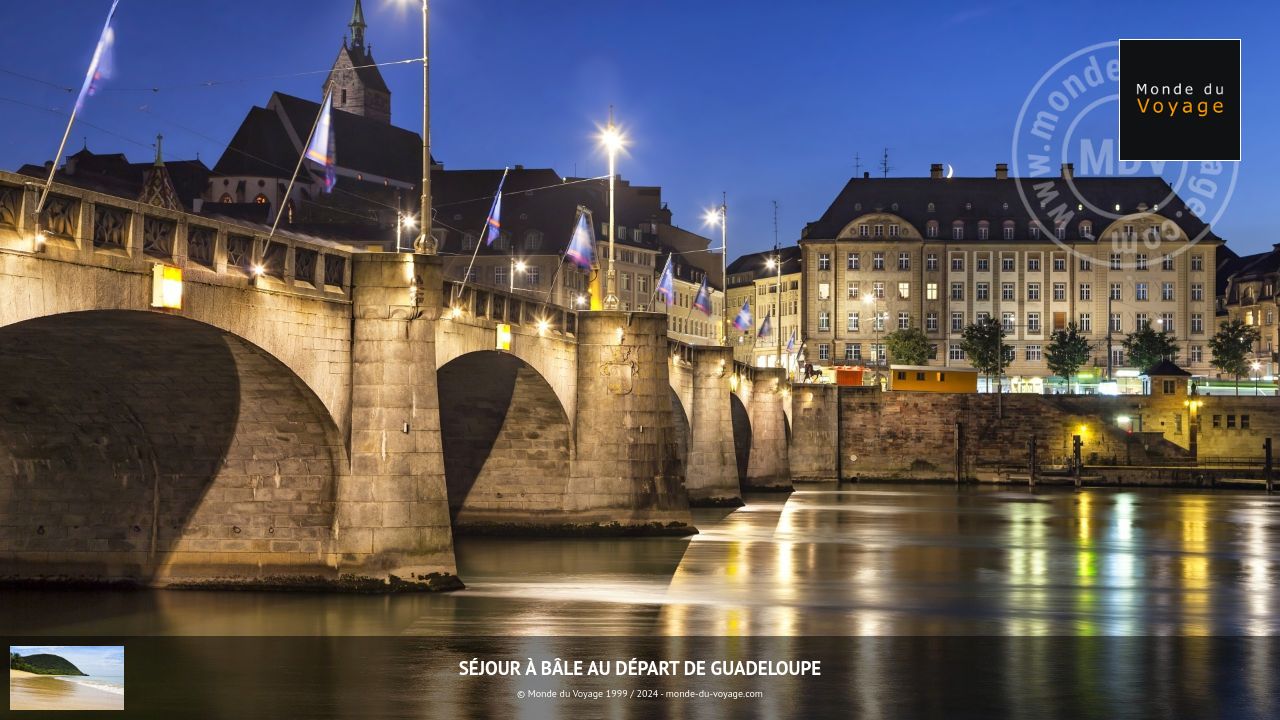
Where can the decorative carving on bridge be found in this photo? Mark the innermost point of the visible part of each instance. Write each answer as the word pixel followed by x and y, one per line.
pixel 620 370
pixel 335 267
pixel 157 237
pixel 200 243
pixel 10 206
pixel 59 216
pixel 240 252
pixel 304 264
pixel 110 227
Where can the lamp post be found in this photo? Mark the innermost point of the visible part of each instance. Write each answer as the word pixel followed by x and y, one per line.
pixel 611 138
pixel 720 216
pixel 517 266
pixel 775 263
pixel 406 222
pixel 870 299
pixel 426 137
pixel 1257 368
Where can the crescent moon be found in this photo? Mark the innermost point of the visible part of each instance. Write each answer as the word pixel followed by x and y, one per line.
pixel 950 171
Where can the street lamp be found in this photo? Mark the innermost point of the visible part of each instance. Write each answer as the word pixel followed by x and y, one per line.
pixel 870 299
pixel 407 222
pixel 775 263
pixel 422 244
pixel 613 140
pixel 517 266
pixel 1257 367
pixel 720 216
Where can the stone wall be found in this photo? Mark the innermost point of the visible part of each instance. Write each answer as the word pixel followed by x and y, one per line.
pixel 711 472
pixel 814 412
pixel 767 468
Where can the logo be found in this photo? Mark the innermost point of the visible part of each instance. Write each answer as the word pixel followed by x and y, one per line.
pixel 1065 149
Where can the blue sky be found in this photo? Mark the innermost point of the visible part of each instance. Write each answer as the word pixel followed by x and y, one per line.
pixel 91 659
pixel 763 100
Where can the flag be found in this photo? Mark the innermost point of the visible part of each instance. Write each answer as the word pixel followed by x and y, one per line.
pixel 100 65
pixel 320 149
pixel 766 327
pixel 493 225
pixel 702 300
pixel 743 320
pixel 582 247
pixel 791 341
pixel 666 284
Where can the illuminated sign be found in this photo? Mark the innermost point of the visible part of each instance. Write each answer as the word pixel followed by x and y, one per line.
pixel 166 287
pixel 504 336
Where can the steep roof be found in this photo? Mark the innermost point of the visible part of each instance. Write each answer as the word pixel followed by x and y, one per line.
pixel 972 199
pixel 113 174
pixel 754 266
pixel 366 68
pixel 1165 368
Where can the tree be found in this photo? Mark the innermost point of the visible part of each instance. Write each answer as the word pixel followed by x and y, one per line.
pixel 1147 347
pixel 1066 352
pixel 907 347
pixel 1231 346
pixel 983 344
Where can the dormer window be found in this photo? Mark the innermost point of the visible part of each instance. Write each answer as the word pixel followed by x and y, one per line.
pixel 931 227
pixel 957 230
pixel 931 207
pixel 1007 230
pixel 984 230
pixel 1086 229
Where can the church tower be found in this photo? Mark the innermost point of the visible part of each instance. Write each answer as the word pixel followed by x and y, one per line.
pixel 357 84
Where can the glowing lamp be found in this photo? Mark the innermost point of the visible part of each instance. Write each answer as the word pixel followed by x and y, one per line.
pixel 504 337
pixel 166 287
pixel 543 326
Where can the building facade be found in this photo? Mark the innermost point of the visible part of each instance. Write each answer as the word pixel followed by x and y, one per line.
pixel 754 280
pixel 1249 295
pixel 941 253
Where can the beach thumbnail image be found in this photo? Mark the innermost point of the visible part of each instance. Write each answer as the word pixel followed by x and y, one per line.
pixel 66 677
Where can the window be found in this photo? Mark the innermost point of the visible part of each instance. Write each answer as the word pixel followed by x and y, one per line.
pixel 957 291
pixel 1033 353
pixel 824 261
pixel 904 320
pixel 1033 231
pixel 957 263
pixel 1006 264
pixel 984 291
pixel 957 322
pixel 853 261
pixel 957 230
pixel 1033 291
pixel 1197 292
pixel 1086 322
pixel 1117 357
pixel 1217 421
pixel 1007 231
pixel 1007 320
pixel 1116 290
pixel 983 318
pixel 1231 421
pixel 261 199
pixel 1033 264
pixel 879 231
pixel 1141 320
pixel 1006 291
pixel 1061 230
pixel 931 291
pixel 1166 322
pixel 1115 261
pixel 864 231
pixel 877 288
pixel 853 351
pixel 931 262
pixel 984 264
pixel 1140 291
pixel 1059 264
pixel 1059 291
pixel 931 321
pixel 1244 422
pixel 955 352
pixel 1086 291
pixel 877 261
pixel 1197 323
pixel 500 275
pixel 642 284
pixel 931 229
pixel 824 351
pixel 877 352
pixel 893 230
pixel 1086 229
pixel 878 321
pixel 852 322
pixel 1142 261
pixel 984 230
pixel 1197 354
pixel 1197 263
pixel 824 320
pixel 1169 386
pixel 853 288
pixel 1166 262
pixel 1166 291
pixel 1086 264
pixel 904 260
pixel 1033 322
pixel 904 291
pixel 1115 323
pixel 824 291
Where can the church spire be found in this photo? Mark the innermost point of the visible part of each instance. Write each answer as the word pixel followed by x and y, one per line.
pixel 357 26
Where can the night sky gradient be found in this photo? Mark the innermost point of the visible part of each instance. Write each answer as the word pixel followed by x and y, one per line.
pixel 763 100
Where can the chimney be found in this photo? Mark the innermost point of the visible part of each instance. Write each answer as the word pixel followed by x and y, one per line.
pixel 1068 170
pixel 866 174
pixel 1002 171
pixel 935 171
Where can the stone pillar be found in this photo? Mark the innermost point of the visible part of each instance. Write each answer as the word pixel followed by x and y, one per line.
pixel 711 475
pixel 768 468
pixel 625 472
pixel 392 521
pixel 814 453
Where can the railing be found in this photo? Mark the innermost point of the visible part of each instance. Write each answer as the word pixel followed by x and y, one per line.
pixel 89 227
pixel 486 303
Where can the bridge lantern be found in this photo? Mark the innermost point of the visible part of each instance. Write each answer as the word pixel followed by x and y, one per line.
pixel 504 337
pixel 166 287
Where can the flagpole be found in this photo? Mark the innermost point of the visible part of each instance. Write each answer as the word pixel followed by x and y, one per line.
pixel 301 156
pixel 467 275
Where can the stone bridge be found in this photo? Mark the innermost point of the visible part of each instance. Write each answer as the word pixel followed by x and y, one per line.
pixel 314 414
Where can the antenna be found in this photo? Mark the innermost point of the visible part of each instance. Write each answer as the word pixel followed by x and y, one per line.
pixel 775 226
pixel 857 164
pixel 884 163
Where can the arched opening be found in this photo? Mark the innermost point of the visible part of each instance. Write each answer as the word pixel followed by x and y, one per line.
pixel 506 441
pixel 741 435
pixel 680 429
pixel 136 445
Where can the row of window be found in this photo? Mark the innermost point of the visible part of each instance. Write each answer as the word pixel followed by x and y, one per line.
pixel 1032 325
pixel 1030 353
pixel 1141 261
pixel 1009 229
pixel 1008 291
pixel 691 326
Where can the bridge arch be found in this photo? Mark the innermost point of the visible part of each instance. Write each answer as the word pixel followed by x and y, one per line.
pixel 149 447
pixel 741 435
pixel 507 440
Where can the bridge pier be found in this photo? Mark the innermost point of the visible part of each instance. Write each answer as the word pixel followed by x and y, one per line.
pixel 625 474
pixel 711 473
pixel 391 522
pixel 768 467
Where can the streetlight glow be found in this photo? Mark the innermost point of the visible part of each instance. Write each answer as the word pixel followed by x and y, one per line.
pixel 409 222
pixel 771 263
pixel 712 218
pixel 520 266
